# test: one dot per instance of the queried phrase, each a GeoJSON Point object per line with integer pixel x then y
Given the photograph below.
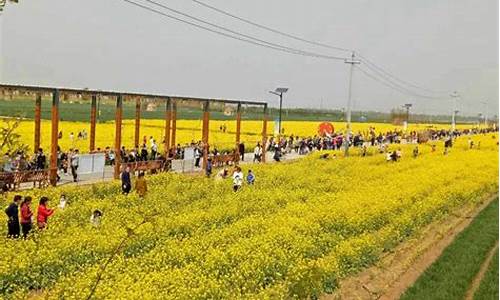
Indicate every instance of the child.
{"type": "Point", "coordinates": [95, 218]}
{"type": "Point", "coordinates": [208, 170]}
{"type": "Point", "coordinates": [62, 201]}
{"type": "Point", "coordinates": [237, 179]}
{"type": "Point", "coordinates": [250, 177]}
{"type": "Point", "coordinates": [415, 152]}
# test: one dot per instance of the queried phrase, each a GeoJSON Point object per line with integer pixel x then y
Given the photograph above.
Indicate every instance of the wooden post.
{"type": "Point", "coordinates": [204, 138]}
{"type": "Point", "coordinates": [168, 117]}
{"type": "Point", "coordinates": [38, 112]}
{"type": "Point", "coordinates": [174, 124]}
{"type": "Point", "coordinates": [238, 128]}
{"type": "Point", "coordinates": [118, 135]}
{"type": "Point", "coordinates": [93, 117]}
{"type": "Point", "coordinates": [264, 134]}
{"type": "Point", "coordinates": [54, 138]}
{"type": "Point", "coordinates": [137, 121]}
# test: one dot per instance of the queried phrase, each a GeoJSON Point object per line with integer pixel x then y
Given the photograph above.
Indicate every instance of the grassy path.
{"type": "Point", "coordinates": [451, 276]}
{"type": "Point", "coordinates": [480, 275]}
{"type": "Point", "coordinates": [488, 289]}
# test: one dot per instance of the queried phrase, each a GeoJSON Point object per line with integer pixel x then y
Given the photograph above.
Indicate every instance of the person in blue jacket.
{"type": "Point", "coordinates": [250, 177]}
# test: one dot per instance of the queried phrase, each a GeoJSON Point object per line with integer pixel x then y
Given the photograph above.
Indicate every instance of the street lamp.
{"type": "Point", "coordinates": [279, 92]}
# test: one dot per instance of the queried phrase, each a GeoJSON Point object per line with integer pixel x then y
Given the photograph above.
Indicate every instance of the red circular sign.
{"type": "Point", "coordinates": [325, 128]}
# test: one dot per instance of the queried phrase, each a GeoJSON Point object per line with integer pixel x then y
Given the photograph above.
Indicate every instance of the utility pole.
{"type": "Point", "coordinates": [485, 113]}
{"type": "Point", "coordinates": [352, 62]}
{"type": "Point", "coordinates": [407, 106]}
{"type": "Point", "coordinates": [454, 96]}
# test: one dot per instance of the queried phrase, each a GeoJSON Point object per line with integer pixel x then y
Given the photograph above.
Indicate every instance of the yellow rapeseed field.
{"type": "Point", "coordinates": [293, 234]}
{"type": "Point", "coordinates": [190, 130]}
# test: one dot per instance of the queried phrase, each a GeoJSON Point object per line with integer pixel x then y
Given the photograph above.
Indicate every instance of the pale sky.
{"type": "Point", "coordinates": [109, 44]}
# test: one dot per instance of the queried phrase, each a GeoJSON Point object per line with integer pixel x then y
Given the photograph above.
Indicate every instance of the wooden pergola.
{"type": "Point", "coordinates": [170, 119]}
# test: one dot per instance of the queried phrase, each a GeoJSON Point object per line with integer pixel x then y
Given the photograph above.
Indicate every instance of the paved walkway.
{"type": "Point", "coordinates": [178, 166]}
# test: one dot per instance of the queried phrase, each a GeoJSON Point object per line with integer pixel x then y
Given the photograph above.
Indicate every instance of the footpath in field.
{"type": "Point", "coordinates": [178, 166]}
{"type": "Point", "coordinates": [400, 268]}
{"type": "Point", "coordinates": [460, 269]}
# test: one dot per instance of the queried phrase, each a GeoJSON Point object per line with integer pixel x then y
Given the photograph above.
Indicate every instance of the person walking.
{"type": "Point", "coordinates": [141, 186]}
{"type": "Point", "coordinates": [154, 149]}
{"type": "Point", "coordinates": [126, 183]}
{"type": "Point", "coordinates": [26, 216]}
{"type": "Point", "coordinates": [12, 211]}
{"type": "Point", "coordinates": [277, 153]}
{"type": "Point", "coordinates": [40, 160]}
{"type": "Point", "coordinates": [75, 161]}
{"type": "Point", "coordinates": [257, 153]}
{"type": "Point", "coordinates": [208, 170]}
{"type": "Point", "coordinates": [197, 156]}
{"type": "Point", "coordinates": [241, 151]}
{"type": "Point", "coordinates": [43, 213]}
{"type": "Point", "coordinates": [144, 152]}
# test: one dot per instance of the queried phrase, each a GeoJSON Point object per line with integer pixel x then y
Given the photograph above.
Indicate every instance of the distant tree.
{"type": "Point", "coordinates": [4, 2]}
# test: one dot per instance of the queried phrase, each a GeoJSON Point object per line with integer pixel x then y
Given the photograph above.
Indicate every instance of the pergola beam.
{"type": "Point", "coordinates": [118, 135]}
{"type": "Point", "coordinates": [38, 114]}
{"type": "Point", "coordinates": [54, 138]}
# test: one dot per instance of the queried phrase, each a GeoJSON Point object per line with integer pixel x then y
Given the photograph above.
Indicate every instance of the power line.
{"type": "Point", "coordinates": [295, 37]}
{"type": "Point", "coordinates": [388, 79]}
{"type": "Point", "coordinates": [397, 88]}
{"type": "Point", "coordinates": [235, 35]}
{"type": "Point", "coordinates": [368, 62]}
{"type": "Point", "coordinates": [381, 73]}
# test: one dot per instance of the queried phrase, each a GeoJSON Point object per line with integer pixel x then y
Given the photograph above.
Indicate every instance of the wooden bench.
{"type": "Point", "coordinates": [143, 166]}
{"type": "Point", "coordinates": [14, 179]}
{"type": "Point", "coordinates": [225, 159]}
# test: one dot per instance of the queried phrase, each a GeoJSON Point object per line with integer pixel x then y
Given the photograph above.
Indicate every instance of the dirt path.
{"type": "Point", "coordinates": [479, 276]}
{"type": "Point", "coordinates": [397, 270]}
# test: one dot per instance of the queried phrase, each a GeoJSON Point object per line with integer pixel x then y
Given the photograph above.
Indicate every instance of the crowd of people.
{"type": "Point", "coordinates": [20, 223]}
{"type": "Point", "coordinates": [20, 218]}
{"type": "Point", "coordinates": [68, 162]}
{"type": "Point", "coordinates": [362, 140]}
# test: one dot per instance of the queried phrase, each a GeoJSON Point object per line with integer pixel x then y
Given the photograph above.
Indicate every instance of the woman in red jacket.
{"type": "Point", "coordinates": [26, 216]}
{"type": "Point", "coordinates": [43, 213]}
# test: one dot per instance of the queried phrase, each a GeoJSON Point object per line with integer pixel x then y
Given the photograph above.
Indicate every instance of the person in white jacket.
{"type": "Point", "coordinates": [237, 179]}
{"type": "Point", "coordinates": [257, 153]}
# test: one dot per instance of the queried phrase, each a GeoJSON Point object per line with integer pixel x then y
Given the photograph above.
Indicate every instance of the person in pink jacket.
{"type": "Point", "coordinates": [43, 213]}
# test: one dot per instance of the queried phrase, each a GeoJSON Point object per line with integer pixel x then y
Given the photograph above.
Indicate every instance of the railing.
{"type": "Point", "coordinates": [225, 159]}
{"type": "Point", "coordinates": [150, 165]}
{"type": "Point", "coordinates": [14, 179]}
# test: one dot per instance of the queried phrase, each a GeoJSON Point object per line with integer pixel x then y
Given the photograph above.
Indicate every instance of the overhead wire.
{"type": "Point", "coordinates": [394, 83]}
{"type": "Point", "coordinates": [232, 34]}
{"type": "Point", "coordinates": [382, 76]}
{"type": "Point", "coordinates": [373, 65]}
{"type": "Point", "coordinates": [391, 85]}
{"type": "Point", "coordinates": [295, 37]}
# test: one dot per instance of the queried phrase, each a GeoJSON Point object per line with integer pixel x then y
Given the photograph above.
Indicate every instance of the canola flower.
{"type": "Point", "coordinates": [295, 234]}
{"type": "Point", "coordinates": [190, 130]}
